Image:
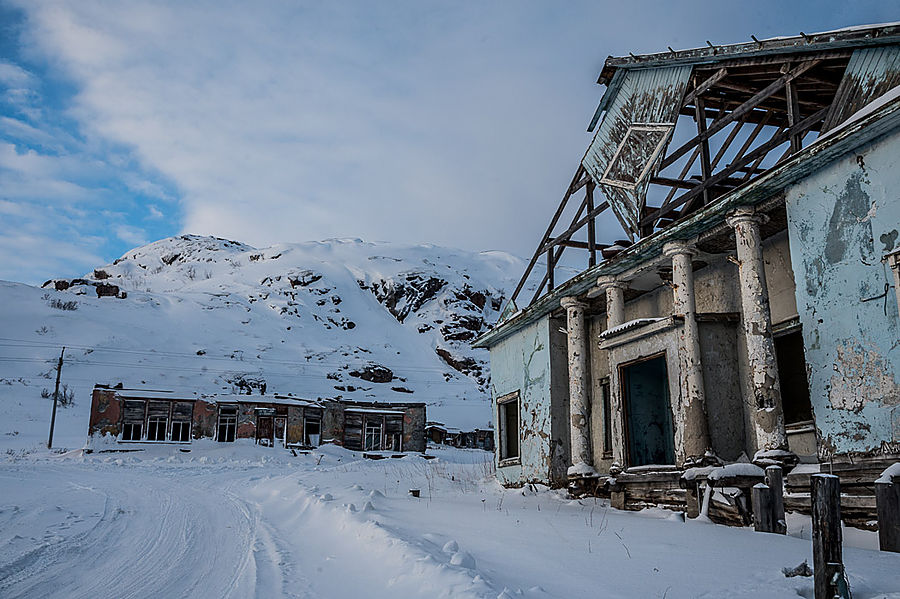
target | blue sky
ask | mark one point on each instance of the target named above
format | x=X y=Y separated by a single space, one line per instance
x=455 y=123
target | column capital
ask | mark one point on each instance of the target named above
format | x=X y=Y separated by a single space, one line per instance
x=609 y=281
x=678 y=248
x=572 y=302
x=746 y=214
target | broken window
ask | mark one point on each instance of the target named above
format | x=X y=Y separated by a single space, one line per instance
x=133 y=413
x=227 y=424
x=792 y=375
x=373 y=435
x=156 y=428
x=181 y=432
x=636 y=155
x=353 y=430
x=182 y=414
x=393 y=432
x=157 y=420
x=312 y=431
x=607 y=417
x=508 y=407
x=132 y=431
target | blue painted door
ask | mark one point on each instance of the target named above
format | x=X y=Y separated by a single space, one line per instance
x=648 y=415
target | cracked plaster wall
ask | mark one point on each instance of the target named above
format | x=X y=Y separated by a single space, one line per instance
x=522 y=363
x=842 y=220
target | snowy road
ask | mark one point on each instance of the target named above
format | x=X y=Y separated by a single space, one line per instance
x=251 y=522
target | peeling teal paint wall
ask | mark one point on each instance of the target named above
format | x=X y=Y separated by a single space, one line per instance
x=842 y=220
x=522 y=363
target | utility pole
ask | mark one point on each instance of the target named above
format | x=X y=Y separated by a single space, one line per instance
x=55 y=397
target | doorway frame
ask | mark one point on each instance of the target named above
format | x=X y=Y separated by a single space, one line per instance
x=625 y=399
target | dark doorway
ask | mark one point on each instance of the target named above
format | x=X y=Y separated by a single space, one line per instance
x=265 y=430
x=648 y=415
x=792 y=374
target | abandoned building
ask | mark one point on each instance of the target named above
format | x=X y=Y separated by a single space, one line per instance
x=147 y=416
x=748 y=311
x=441 y=434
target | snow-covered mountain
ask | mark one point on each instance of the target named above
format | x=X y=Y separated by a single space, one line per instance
x=338 y=318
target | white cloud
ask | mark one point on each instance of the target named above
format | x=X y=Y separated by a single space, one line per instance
x=453 y=123
x=131 y=235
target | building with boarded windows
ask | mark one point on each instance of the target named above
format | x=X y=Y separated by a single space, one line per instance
x=748 y=308
x=149 y=416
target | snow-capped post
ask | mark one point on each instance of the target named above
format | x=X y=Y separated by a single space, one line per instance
x=763 y=515
x=887 y=500
x=828 y=562
x=55 y=398
x=775 y=481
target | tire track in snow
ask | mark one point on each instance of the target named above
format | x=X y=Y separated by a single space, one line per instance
x=171 y=538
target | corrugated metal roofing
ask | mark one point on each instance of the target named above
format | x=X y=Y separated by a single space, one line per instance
x=850 y=37
x=870 y=73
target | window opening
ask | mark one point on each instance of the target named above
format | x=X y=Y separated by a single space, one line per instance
x=156 y=428
x=133 y=414
x=636 y=155
x=373 y=436
x=508 y=406
x=312 y=432
x=607 y=417
x=792 y=375
x=227 y=424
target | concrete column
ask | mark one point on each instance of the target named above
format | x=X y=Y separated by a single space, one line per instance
x=757 y=320
x=615 y=315
x=579 y=408
x=692 y=427
x=615 y=300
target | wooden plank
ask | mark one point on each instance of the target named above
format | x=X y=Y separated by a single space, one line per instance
x=739 y=111
x=775 y=482
x=763 y=515
x=759 y=152
x=592 y=235
x=826 y=532
x=704 y=87
x=887 y=495
x=559 y=210
x=793 y=114
x=700 y=116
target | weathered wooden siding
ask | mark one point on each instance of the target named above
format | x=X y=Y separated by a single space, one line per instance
x=842 y=220
x=642 y=96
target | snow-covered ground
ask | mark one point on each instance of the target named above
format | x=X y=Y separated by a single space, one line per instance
x=243 y=521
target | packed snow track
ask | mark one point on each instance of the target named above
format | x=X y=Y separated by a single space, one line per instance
x=242 y=521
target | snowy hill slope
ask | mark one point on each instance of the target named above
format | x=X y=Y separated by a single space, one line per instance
x=338 y=318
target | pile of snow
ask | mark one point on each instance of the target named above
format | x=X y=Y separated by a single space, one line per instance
x=332 y=319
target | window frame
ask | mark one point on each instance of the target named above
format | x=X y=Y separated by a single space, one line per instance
x=665 y=128
x=503 y=453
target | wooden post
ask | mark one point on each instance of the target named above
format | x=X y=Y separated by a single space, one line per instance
x=887 y=499
x=550 y=267
x=761 y=498
x=55 y=398
x=775 y=480
x=828 y=560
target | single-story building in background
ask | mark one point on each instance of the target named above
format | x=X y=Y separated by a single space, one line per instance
x=154 y=416
x=441 y=434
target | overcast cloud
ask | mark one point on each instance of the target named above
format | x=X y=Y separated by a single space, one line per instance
x=451 y=123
